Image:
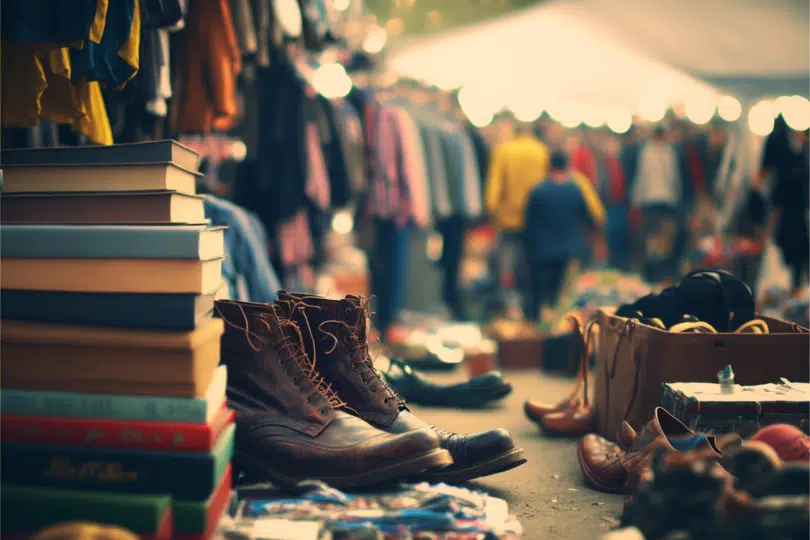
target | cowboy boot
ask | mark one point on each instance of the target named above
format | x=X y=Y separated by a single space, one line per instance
x=339 y=338
x=290 y=425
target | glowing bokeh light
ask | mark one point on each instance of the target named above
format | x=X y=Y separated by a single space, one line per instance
x=796 y=111
x=331 y=81
x=619 y=121
x=761 y=117
x=699 y=111
x=375 y=41
x=652 y=111
x=729 y=109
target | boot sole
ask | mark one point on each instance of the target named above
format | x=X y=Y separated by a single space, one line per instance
x=505 y=462
x=594 y=482
x=435 y=458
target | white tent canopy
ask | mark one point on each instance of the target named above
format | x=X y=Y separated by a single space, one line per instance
x=626 y=53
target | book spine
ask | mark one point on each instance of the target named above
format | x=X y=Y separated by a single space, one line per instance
x=32 y=242
x=107 y=433
x=76 y=405
x=121 y=471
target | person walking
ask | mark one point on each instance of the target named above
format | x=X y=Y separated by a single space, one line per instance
x=658 y=194
x=562 y=221
x=516 y=166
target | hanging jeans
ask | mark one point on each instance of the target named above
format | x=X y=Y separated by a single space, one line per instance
x=389 y=268
x=453 y=230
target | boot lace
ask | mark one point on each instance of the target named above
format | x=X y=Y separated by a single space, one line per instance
x=293 y=354
x=355 y=342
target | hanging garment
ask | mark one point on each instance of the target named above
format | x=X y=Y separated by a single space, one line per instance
x=352 y=144
x=95 y=124
x=317 y=181
x=246 y=249
x=336 y=150
x=53 y=21
x=211 y=61
x=277 y=190
x=115 y=59
x=244 y=26
x=473 y=191
x=442 y=206
x=414 y=169
x=36 y=85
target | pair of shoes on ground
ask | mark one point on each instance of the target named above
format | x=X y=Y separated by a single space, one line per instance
x=310 y=404
x=574 y=415
x=475 y=392
x=753 y=496
x=619 y=468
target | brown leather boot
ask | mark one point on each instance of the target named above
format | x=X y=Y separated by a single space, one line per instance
x=291 y=425
x=339 y=340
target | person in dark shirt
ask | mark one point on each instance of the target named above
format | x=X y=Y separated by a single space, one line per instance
x=786 y=159
x=557 y=225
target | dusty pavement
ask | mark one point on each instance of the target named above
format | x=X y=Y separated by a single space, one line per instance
x=548 y=494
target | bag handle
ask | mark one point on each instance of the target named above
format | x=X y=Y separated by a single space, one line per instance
x=610 y=372
x=583 y=331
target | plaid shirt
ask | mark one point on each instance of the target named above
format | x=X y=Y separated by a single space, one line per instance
x=388 y=192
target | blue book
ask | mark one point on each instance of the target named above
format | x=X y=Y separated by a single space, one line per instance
x=199 y=410
x=199 y=242
x=121 y=310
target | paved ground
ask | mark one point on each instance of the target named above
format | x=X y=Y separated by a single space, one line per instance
x=548 y=494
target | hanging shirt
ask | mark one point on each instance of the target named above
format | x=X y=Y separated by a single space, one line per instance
x=414 y=165
x=212 y=60
x=442 y=206
x=474 y=207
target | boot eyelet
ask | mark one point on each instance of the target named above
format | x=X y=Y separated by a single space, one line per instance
x=287 y=372
x=322 y=412
x=309 y=400
x=348 y=311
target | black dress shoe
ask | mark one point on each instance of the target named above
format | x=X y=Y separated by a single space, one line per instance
x=475 y=456
x=475 y=392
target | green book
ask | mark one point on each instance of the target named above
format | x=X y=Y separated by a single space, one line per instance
x=27 y=509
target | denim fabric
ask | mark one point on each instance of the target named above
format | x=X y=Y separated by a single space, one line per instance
x=246 y=248
x=389 y=270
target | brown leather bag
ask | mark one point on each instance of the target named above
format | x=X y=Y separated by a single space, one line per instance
x=633 y=361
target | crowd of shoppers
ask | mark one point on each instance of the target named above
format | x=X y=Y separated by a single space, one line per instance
x=641 y=201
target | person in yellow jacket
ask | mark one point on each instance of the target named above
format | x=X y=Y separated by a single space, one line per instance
x=516 y=167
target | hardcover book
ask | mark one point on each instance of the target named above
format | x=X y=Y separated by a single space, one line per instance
x=95 y=177
x=27 y=509
x=149 y=276
x=102 y=207
x=201 y=410
x=145 y=515
x=167 y=151
x=125 y=310
x=199 y=519
x=100 y=433
x=198 y=242
x=186 y=476
x=75 y=358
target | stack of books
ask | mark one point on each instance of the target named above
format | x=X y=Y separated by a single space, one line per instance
x=113 y=400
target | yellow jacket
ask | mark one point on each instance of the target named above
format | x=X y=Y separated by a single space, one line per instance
x=516 y=166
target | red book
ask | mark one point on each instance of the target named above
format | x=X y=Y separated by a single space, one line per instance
x=103 y=433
